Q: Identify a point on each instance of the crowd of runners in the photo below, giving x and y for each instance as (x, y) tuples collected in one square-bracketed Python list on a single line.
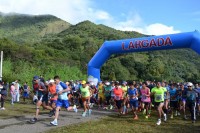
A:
[(169, 99)]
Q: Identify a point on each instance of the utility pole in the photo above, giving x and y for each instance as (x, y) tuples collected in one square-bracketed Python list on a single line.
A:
[(1, 66)]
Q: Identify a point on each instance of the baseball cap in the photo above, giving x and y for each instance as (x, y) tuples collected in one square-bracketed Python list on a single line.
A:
[(83, 82), (189, 84), (51, 81), (124, 82), (35, 77), (107, 83)]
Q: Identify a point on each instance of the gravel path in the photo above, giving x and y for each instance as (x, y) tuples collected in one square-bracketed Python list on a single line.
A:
[(21, 125)]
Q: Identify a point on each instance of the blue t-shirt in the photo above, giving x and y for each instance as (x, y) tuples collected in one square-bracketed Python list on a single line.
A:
[(59, 87), (173, 94), (132, 92)]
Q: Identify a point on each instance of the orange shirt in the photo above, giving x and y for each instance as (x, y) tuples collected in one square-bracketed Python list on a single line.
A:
[(118, 93), (52, 90)]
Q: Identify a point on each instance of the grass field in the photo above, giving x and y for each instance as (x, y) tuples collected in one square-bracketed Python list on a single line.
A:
[(18, 109), (126, 124), (111, 123)]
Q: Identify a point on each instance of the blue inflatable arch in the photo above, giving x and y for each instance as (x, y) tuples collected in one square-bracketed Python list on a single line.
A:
[(164, 42)]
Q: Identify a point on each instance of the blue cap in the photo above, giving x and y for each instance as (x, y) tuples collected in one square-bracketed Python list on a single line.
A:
[(35, 77)]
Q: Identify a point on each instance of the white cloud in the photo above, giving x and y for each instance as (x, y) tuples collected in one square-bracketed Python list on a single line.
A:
[(136, 23), (160, 29), (75, 11), (72, 11)]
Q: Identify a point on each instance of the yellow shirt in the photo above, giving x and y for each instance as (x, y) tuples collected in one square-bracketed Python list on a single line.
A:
[(125, 89), (100, 89)]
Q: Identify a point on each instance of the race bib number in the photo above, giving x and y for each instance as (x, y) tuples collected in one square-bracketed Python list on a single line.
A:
[(117, 97), (144, 97), (158, 97), (83, 94)]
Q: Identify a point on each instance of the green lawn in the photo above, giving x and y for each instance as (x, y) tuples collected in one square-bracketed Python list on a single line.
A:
[(126, 124), (109, 124), (18, 109)]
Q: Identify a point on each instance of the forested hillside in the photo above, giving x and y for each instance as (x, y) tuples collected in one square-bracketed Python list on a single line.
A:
[(47, 45)]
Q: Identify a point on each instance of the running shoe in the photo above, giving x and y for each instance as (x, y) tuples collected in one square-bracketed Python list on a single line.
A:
[(185, 117), (33, 120), (176, 113), (54, 123), (179, 114), (89, 112), (158, 122), (75, 109), (84, 114), (165, 117), (144, 111), (2, 108), (172, 116)]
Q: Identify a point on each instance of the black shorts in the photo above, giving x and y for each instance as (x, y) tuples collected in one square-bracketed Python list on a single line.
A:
[(43, 98), (119, 103), (76, 94), (174, 104), (146, 103), (158, 103)]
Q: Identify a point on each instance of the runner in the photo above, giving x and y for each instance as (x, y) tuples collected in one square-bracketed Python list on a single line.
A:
[(183, 99), (118, 92), (93, 98), (62, 101), (158, 93), (112, 100), (133, 99), (125, 89), (53, 97), (12, 92), (85, 96), (3, 95), (26, 90), (166, 97), (197, 88), (145, 92), (191, 101), (101, 96), (173, 100), (107, 93), (42, 95)]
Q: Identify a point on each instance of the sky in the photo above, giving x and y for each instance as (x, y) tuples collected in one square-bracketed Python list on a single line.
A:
[(150, 17)]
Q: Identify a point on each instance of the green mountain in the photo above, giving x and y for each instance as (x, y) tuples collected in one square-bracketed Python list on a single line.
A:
[(48, 45), (28, 28)]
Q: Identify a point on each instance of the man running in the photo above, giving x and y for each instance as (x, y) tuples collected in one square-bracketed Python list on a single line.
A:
[(62, 101), (191, 101), (42, 95)]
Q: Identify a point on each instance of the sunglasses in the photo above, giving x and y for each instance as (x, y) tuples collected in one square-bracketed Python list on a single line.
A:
[(189, 86)]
